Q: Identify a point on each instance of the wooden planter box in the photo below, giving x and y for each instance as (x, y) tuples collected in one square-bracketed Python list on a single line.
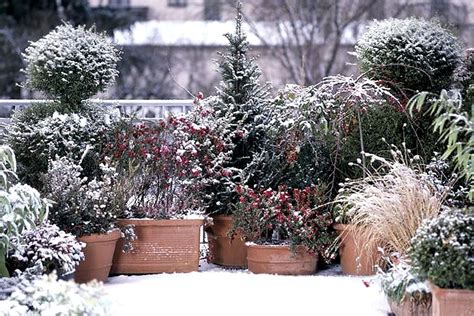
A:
[(409, 308), (452, 301), (225, 251), (279, 259), (161, 246)]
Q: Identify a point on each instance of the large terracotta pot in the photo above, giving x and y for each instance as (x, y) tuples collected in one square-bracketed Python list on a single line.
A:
[(161, 246), (409, 308), (225, 251), (98, 254), (452, 302), (355, 259), (279, 259)]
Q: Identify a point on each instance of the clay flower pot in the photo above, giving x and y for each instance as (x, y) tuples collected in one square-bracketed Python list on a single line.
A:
[(452, 301), (409, 308), (161, 246), (98, 254), (355, 259), (225, 251), (279, 259)]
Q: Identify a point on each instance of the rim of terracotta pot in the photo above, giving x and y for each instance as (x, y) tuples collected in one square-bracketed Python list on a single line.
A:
[(161, 222), (111, 235)]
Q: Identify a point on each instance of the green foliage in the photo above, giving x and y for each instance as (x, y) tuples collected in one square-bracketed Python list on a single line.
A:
[(49, 296), (71, 64), (21, 206), (296, 149), (238, 107), (82, 206), (443, 248), (411, 54), (455, 125), (73, 135), (383, 126)]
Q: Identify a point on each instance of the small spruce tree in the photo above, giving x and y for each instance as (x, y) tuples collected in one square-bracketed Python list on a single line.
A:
[(239, 107)]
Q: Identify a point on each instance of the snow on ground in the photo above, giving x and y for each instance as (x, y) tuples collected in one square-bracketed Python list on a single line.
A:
[(215, 291)]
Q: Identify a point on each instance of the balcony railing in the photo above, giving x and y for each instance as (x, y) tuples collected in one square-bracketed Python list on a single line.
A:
[(141, 108)]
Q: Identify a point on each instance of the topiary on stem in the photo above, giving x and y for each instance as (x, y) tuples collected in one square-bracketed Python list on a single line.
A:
[(410, 54), (71, 64)]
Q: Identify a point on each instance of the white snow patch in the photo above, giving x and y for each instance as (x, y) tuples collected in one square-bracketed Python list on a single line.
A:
[(215, 291)]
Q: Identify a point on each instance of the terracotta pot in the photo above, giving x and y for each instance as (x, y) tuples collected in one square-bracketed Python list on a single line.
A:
[(452, 301), (161, 246), (409, 308), (279, 259), (98, 254), (355, 260), (225, 251)]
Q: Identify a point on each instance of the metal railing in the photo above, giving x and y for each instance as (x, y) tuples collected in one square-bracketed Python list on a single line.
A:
[(142, 108)]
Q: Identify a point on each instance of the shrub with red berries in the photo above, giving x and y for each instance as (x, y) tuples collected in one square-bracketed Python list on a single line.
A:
[(164, 166), (284, 216)]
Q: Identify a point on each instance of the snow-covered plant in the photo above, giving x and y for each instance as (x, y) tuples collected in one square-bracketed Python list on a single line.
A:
[(71, 64), (297, 217), (49, 296), (82, 206), (21, 206), (61, 135), (410, 54), (399, 283), (239, 111), (57, 250), (443, 249), (386, 207), (163, 167), (455, 124)]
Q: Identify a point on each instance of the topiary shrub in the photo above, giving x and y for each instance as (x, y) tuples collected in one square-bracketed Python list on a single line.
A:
[(79, 136), (71, 64), (443, 248), (411, 54)]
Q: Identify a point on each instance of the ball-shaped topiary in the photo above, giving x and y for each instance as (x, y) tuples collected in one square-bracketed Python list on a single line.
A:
[(411, 54), (443, 248), (71, 64)]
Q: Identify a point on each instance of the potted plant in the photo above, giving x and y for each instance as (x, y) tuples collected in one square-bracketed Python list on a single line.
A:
[(21, 205), (55, 249), (162, 169), (285, 229), (384, 209), (85, 208), (406, 294), (239, 112), (442, 252)]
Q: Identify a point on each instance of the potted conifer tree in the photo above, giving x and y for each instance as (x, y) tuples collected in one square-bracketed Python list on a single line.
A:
[(238, 109)]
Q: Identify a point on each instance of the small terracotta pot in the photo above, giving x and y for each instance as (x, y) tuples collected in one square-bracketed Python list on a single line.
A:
[(161, 246), (279, 259), (98, 254), (409, 308), (225, 251), (452, 301), (354, 260)]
